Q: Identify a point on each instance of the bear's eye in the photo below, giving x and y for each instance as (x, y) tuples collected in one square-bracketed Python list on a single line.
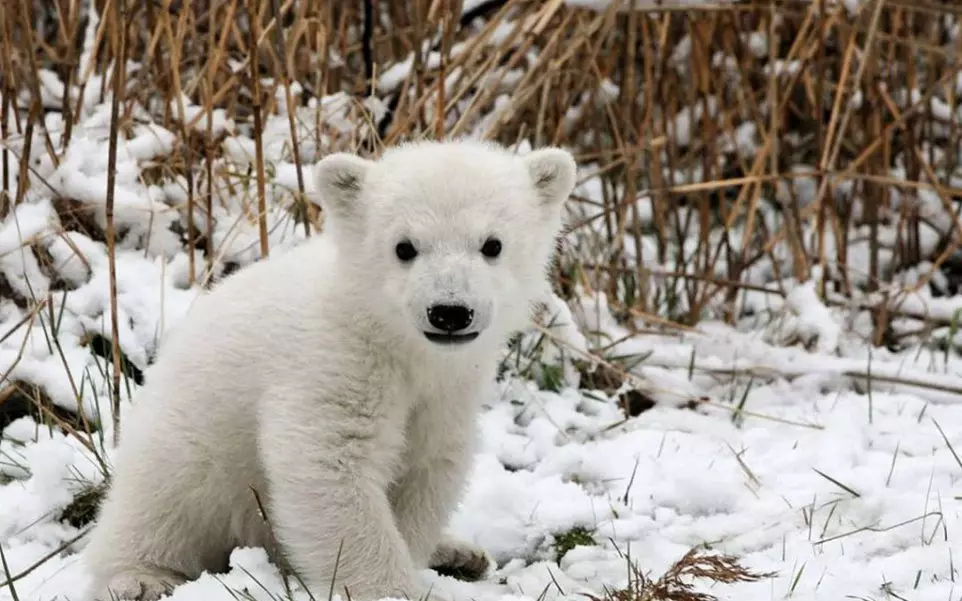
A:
[(491, 248), (405, 251)]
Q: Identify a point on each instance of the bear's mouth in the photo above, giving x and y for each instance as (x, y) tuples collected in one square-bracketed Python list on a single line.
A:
[(440, 338)]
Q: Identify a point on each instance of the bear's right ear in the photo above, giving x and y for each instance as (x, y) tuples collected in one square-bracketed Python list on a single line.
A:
[(338, 179)]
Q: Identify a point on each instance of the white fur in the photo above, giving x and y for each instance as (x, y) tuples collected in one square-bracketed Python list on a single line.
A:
[(308, 377)]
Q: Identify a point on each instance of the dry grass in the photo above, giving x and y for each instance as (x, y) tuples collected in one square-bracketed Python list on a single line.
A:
[(678, 582), (609, 85), (731, 148)]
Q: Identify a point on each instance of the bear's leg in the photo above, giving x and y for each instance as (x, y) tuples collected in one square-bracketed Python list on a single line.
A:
[(460, 560), (341, 526), (328, 509), (425, 496), (164, 521), (423, 500)]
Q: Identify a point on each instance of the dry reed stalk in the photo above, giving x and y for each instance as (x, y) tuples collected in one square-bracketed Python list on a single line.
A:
[(289, 100), (253, 16), (119, 31)]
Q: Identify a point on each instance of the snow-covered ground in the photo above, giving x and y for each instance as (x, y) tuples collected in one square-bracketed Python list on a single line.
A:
[(842, 493), (785, 439)]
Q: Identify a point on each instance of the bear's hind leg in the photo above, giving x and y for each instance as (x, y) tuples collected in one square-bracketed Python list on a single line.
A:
[(165, 520)]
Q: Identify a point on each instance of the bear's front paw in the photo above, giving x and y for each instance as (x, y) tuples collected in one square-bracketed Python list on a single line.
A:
[(149, 584), (460, 560)]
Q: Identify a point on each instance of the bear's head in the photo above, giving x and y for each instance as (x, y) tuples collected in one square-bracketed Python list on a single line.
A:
[(450, 240)]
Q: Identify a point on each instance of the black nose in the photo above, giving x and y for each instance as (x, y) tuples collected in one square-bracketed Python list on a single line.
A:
[(450, 318)]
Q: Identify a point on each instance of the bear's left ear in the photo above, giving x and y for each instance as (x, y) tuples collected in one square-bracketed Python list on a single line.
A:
[(553, 172), (338, 179)]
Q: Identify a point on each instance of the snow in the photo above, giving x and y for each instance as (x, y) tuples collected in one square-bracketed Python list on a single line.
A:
[(189, 113), (784, 438), (657, 485)]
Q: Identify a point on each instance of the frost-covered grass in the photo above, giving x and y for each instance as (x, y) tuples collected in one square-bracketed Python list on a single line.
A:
[(754, 350)]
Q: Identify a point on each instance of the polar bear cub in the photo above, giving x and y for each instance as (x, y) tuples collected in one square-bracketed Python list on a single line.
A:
[(337, 386)]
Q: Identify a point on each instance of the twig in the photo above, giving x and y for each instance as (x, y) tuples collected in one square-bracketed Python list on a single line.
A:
[(120, 61), (254, 23), (291, 120), (367, 50)]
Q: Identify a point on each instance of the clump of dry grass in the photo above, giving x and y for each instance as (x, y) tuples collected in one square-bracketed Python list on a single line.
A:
[(83, 509), (677, 583)]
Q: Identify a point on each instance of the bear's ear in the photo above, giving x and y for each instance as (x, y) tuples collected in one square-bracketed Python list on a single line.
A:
[(338, 179), (553, 172)]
